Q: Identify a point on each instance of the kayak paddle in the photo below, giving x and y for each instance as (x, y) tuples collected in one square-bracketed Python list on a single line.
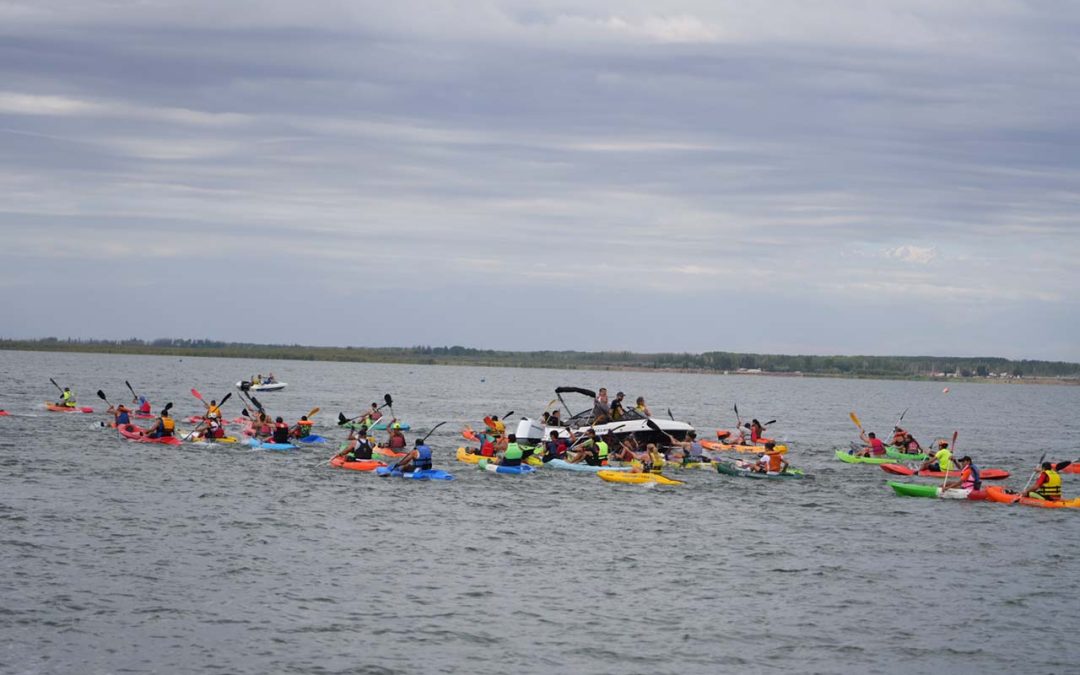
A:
[(953, 449), (101, 395), (855, 419), (432, 431), (131, 390), (57, 386)]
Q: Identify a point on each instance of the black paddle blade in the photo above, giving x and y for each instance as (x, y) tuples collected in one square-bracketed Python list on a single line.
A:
[(389, 401), (1061, 465), (168, 407), (670, 415), (227, 397), (768, 423), (653, 425), (257, 404), (101, 395), (341, 419), (736, 407)]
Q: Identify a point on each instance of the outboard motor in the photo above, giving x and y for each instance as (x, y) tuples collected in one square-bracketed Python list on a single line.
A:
[(529, 432)]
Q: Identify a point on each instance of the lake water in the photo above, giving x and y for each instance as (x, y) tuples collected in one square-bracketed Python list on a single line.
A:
[(126, 558)]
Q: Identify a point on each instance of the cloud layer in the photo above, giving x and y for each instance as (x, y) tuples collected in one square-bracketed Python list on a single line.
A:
[(829, 177)]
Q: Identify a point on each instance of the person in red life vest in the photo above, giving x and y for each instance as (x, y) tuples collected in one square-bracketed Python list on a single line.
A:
[(144, 404), (1047, 485), (554, 447), (757, 433), (873, 448), (280, 433), (396, 441)]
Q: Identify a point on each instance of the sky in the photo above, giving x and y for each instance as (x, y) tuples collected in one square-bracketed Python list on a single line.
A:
[(784, 176)]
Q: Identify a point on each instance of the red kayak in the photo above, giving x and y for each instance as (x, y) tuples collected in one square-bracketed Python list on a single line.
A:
[(3, 413), (143, 416), (358, 465), (134, 433), (901, 470), (52, 407)]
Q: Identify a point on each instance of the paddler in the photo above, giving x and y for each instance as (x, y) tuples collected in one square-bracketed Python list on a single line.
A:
[(874, 447), (736, 436), (651, 461), (555, 420), (144, 404), (418, 459), (942, 459), (373, 414), (757, 433), (357, 445), (554, 447), (494, 426), (396, 441), (67, 398), (1047, 485), (162, 427), (302, 429), (280, 433), (772, 461), (513, 454), (588, 450), (969, 476), (121, 414)]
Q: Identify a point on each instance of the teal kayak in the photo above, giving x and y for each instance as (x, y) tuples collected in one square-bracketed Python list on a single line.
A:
[(263, 445), (733, 469), (379, 426)]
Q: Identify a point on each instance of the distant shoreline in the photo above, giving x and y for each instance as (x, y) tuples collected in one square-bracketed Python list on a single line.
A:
[(931, 369)]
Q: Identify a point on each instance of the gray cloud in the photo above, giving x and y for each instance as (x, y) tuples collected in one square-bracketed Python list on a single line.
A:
[(677, 164)]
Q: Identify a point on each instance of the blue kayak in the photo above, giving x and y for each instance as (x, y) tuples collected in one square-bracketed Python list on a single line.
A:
[(312, 439), (425, 474), (263, 445), (563, 464), (485, 465)]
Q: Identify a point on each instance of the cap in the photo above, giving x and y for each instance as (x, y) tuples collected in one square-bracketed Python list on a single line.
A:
[(620, 394), (397, 425)]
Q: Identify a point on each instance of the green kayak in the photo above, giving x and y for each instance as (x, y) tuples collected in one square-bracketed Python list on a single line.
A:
[(852, 459), (934, 491), (895, 453), (733, 469)]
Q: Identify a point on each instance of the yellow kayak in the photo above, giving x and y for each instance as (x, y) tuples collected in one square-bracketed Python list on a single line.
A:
[(719, 446), (464, 455), (628, 477)]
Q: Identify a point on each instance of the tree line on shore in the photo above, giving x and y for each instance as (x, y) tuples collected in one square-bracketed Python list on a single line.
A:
[(717, 361)]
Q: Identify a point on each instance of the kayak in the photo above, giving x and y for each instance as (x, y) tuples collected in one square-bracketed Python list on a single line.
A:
[(463, 455), (636, 478), (244, 385), (901, 470), (720, 446), (134, 433), (934, 491), (996, 493), (52, 407), (356, 465), (381, 425), (585, 468), (199, 419), (895, 453), (143, 416), (264, 445), (852, 459), (492, 467), (3, 413), (425, 474), (210, 441), (733, 469), (379, 452), (312, 439)]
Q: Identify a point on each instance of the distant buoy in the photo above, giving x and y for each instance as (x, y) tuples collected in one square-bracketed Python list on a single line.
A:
[(483, 380), (945, 390)]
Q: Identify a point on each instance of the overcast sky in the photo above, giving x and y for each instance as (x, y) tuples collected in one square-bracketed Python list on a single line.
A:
[(783, 176)]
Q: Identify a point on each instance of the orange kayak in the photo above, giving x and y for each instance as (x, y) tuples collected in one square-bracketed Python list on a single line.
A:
[(996, 493), (720, 446), (358, 465), (52, 407)]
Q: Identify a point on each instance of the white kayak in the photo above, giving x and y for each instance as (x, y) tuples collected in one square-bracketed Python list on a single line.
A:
[(244, 385)]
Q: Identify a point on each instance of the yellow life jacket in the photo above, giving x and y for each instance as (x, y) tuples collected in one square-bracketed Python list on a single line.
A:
[(168, 424), (1051, 489)]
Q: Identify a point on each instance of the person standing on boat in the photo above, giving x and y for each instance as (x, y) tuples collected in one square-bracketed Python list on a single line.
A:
[(601, 408), (617, 410)]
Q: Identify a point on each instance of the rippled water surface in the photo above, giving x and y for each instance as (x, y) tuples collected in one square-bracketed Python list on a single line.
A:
[(126, 558)]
